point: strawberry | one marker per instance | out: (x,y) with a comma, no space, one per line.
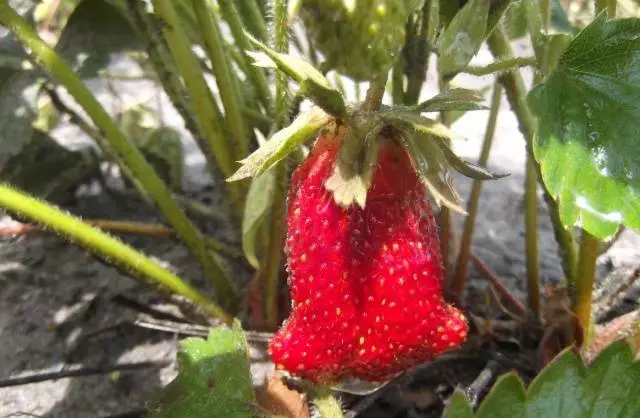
(365,283)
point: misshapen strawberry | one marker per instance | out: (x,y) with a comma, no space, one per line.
(365,283)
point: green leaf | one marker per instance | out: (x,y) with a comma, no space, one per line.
(259,201)
(48,170)
(312,82)
(559,19)
(566,388)
(458,406)
(163,149)
(213,379)
(463,37)
(464,167)
(587,144)
(431,165)
(95,30)
(281,144)
(16,112)
(453,99)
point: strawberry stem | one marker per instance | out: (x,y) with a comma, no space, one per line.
(584,283)
(328,406)
(373,99)
(460,276)
(273,261)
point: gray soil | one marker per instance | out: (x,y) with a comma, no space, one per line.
(53,295)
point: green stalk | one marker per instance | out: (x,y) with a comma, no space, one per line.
(254,20)
(375,93)
(219,62)
(584,285)
(531,236)
(143,173)
(202,99)
(501,66)
(276,240)
(397,82)
(460,276)
(164,67)
(444,216)
(327,405)
(111,249)
(516,94)
(608,5)
(255,74)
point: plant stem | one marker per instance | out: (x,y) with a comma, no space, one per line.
(202,99)
(501,66)
(254,74)
(460,276)
(516,94)
(608,5)
(160,59)
(253,19)
(126,227)
(229,96)
(584,285)
(273,262)
(531,236)
(109,248)
(327,405)
(375,94)
(143,173)
(444,217)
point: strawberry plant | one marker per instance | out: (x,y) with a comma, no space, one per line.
(343,207)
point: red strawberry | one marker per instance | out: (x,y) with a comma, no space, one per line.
(365,283)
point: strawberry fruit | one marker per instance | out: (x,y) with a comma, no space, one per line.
(366,283)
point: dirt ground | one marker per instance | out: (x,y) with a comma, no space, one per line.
(54,298)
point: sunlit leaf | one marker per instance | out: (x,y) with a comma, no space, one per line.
(453,99)
(566,388)
(463,37)
(213,379)
(281,144)
(313,82)
(588,128)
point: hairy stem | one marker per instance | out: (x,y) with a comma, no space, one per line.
(375,94)
(584,285)
(460,276)
(142,172)
(254,74)
(230,97)
(501,66)
(109,248)
(328,406)
(201,97)
(274,253)
(516,94)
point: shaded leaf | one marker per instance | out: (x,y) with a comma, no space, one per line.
(453,99)
(94,31)
(48,170)
(213,379)
(559,19)
(566,388)
(431,166)
(314,84)
(163,149)
(463,37)
(467,168)
(587,144)
(281,144)
(259,201)
(458,406)
(16,112)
